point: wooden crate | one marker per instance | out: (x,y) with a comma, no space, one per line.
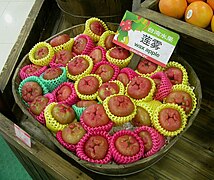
(195,42)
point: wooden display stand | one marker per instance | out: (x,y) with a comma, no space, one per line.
(190,158)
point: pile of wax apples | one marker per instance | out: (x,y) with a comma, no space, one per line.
(97,107)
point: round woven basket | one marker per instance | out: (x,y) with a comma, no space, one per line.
(111,169)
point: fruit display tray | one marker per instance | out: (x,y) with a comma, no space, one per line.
(191,157)
(111,169)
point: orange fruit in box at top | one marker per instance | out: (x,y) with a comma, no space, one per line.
(199,13)
(190,1)
(173,8)
(212,24)
(211,3)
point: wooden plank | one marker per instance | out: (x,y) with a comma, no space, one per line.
(196,156)
(41,155)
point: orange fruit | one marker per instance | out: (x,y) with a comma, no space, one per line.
(211,3)
(190,1)
(199,14)
(173,8)
(212,24)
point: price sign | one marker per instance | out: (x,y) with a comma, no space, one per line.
(22,135)
(146,38)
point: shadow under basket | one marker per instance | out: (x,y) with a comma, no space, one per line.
(111,169)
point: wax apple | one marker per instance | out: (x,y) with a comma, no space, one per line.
(41,52)
(123,77)
(96,147)
(119,53)
(77,65)
(63,56)
(96,55)
(38,105)
(30,91)
(147,140)
(107,89)
(139,87)
(88,85)
(73,133)
(142,118)
(127,145)
(63,93)
(120,105)
(105,71)
(61,39)
(52,73)
(63,114)
(145,66)
(85,103)
(97,28)
(174,74)
(109,41)
(170,119)
(181,98)
(79,45)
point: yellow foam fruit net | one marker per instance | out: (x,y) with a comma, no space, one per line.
(184,72)
(121,89)
(87,71)
(189,90)
(88,31)
(103,37)
(67,46)
(51,123)
(121,63)
(118,120)
(152,104)
(84,96)
(157,125)
(43,61)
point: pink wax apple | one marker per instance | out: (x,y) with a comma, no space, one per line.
(41,52)
(123,77)
(77,65)
(38,105)
(146,67)
(88,85)
(174,74)
(63,56)
(52,73)
(63,93)
(107,89)
(63,114)
(119,53)
(79,45)
(109,42)
(97,28)
(59,40)
(96,55)
(105,71)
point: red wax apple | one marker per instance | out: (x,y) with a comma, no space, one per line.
(95,115)
(170,119)
(85,103)
(52,73)
(174,74)
(96,55)
(63,93)
(63,114)
(73,133)
(77,66)
(142,118)
(107,89)
(41,52)
(32,69)
(79,45)
(108,41)
(96,147)
(119,53)
(181,98)
(38,105)
(105,71)
(121,105)
(127,145)
(63,56)
(30,91)
(147,140)
(97,28)
(139,87)
(88,85)
(61,39)
(145,66)
(123,77)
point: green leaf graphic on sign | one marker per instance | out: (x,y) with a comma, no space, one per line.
(130,16)
(121,35)
(137,26)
